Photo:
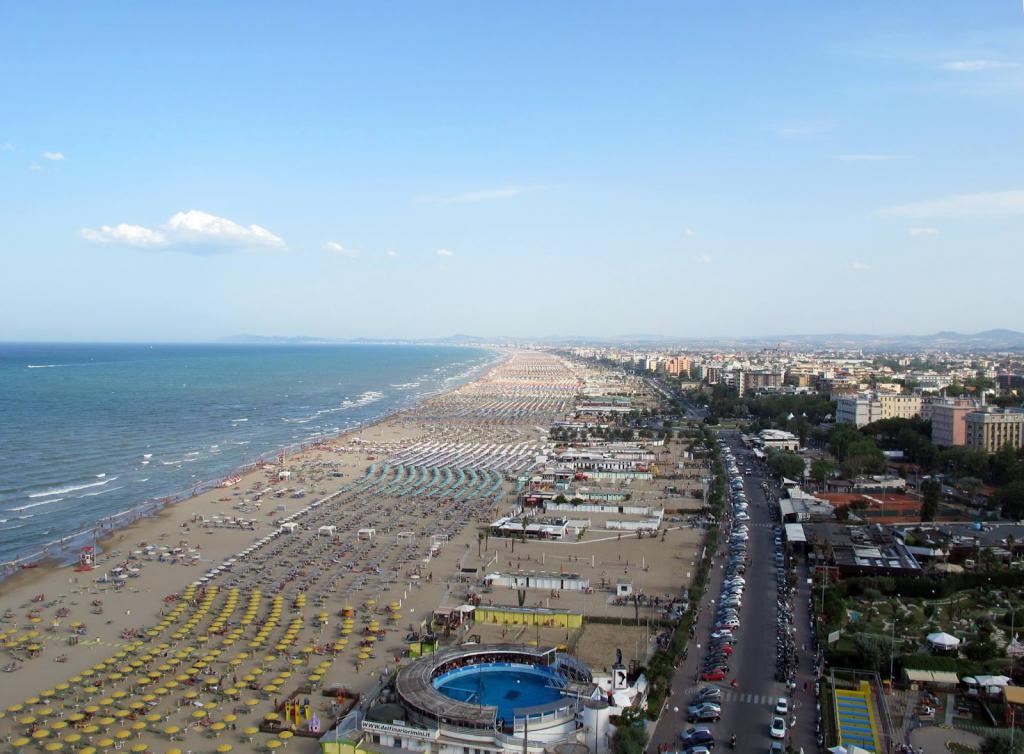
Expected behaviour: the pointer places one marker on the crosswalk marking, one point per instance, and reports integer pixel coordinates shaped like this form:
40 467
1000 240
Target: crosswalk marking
747 698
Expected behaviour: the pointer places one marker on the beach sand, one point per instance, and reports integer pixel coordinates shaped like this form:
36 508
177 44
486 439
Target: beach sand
88 646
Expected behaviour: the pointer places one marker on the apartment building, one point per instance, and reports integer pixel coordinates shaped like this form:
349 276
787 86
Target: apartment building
865 408
948 417
989 429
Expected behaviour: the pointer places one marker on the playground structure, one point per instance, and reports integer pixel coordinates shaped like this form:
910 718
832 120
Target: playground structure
861 712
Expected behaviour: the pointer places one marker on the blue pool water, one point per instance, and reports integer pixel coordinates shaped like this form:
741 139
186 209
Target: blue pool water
502 686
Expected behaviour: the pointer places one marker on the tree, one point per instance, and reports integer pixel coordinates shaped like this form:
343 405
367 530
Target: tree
786 464
821 470
931 494
998 745
1010 500
630 739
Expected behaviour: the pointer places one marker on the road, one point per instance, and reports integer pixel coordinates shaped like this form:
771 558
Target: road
747 709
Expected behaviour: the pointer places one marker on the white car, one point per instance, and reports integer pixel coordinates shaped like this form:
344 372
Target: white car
778 729
782 706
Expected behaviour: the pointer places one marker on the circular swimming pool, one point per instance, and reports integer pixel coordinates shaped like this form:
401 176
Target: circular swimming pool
506 686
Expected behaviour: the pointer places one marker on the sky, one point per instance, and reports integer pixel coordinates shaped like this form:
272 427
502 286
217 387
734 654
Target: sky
191 170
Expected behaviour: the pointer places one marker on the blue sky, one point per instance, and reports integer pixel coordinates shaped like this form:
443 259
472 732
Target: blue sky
191 170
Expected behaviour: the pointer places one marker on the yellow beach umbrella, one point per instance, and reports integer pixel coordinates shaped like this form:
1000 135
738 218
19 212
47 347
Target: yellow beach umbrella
170 730
21 742
72 738
139 747
285 734
123 734
91 729
139 725
273 743
105 743
198 714
40 733
54 746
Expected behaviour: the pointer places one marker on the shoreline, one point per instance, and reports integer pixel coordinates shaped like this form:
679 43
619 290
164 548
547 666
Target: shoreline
45 560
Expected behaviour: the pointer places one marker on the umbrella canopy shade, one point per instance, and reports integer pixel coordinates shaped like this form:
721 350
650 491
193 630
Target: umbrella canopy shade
944 640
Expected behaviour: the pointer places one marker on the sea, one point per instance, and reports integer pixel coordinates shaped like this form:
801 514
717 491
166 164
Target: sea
90 431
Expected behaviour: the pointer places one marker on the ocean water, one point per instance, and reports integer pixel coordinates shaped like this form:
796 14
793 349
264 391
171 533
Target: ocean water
89 431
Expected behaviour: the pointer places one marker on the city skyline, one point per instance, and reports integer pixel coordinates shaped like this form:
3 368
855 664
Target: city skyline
413 172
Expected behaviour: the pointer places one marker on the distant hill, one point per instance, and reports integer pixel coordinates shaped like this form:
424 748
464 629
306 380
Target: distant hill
1000 339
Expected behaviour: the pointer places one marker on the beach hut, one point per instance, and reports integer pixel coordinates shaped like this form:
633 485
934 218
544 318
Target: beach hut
326 531
288 527
366 534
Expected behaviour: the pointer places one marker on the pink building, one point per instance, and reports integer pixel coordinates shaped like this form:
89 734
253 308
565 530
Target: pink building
949 421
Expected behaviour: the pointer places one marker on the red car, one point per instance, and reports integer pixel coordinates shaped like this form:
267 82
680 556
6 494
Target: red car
727 648
713 675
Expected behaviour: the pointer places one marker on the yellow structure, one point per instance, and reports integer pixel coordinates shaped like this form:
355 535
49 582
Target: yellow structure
856 718
505 615
343 745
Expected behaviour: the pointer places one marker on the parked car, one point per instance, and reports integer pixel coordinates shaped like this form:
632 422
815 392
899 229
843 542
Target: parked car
705 712
782 706
778 729
717 674
708 694
697 737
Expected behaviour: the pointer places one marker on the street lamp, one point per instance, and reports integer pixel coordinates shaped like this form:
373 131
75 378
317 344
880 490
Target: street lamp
892 642
1013 630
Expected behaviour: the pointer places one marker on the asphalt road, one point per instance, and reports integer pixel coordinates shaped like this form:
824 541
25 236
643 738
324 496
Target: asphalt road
747 708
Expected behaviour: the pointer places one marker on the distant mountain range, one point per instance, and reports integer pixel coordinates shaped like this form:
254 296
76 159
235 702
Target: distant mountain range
988 340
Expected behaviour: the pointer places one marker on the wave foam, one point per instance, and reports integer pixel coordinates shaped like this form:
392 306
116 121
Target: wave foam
73 488
36 505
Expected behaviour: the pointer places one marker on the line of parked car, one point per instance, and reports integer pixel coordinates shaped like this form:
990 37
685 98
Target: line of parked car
706 705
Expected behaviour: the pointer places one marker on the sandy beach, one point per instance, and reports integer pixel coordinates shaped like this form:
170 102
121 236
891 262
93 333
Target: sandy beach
196 623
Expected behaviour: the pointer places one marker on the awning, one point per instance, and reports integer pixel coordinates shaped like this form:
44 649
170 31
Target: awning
1014 694
944 677
795 533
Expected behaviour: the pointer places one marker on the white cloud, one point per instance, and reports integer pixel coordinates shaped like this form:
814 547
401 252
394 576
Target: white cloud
336 248
198 227
6 147
506 192
128 235
392 254
54 156
859 266
870 157
35 167
973 66
189 231
986 204
923 231
702 259
689 232
445 253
